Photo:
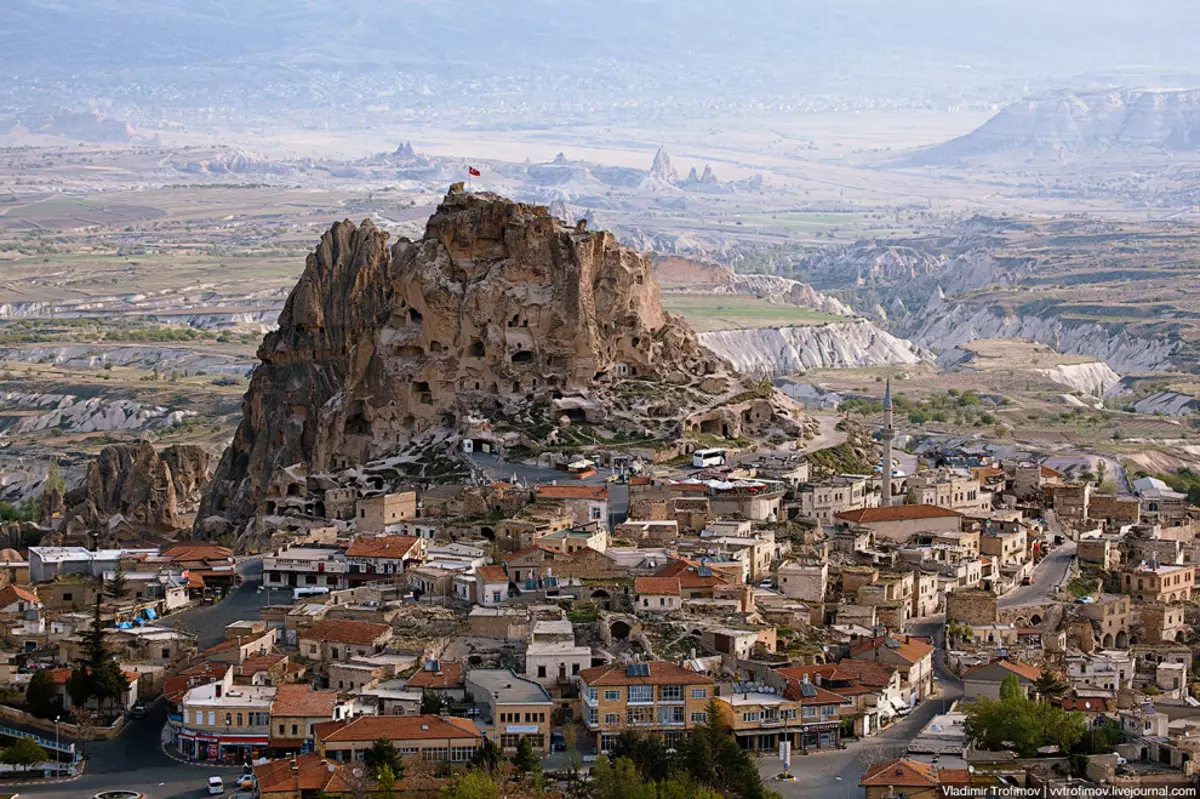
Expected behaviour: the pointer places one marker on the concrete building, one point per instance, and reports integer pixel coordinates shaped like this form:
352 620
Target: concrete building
946 489
984 681
512 708
901 522
807 582
1155 582
224 722
334 640
551 656
305 567
440 739
657 698
803 714
584 504
376 513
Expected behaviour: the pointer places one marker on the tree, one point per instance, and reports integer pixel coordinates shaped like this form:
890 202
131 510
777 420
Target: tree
617 778
41 696
1049 685
525 760
118 587
432 703
474 784
383 755
25 752
387 782
1018 723
488 757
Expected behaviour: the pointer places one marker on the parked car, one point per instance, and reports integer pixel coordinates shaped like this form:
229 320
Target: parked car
558 743
216 786
139 709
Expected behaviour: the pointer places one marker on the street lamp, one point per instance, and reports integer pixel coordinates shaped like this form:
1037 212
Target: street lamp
57 770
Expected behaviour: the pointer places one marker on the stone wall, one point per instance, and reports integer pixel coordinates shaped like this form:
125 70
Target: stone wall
971 607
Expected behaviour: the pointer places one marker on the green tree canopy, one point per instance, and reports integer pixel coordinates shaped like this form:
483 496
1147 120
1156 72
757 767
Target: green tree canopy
41 696
383 754
474 784
25 752
525 759
1021 724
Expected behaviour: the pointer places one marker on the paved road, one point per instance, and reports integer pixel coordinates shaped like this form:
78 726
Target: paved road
136 759
245 602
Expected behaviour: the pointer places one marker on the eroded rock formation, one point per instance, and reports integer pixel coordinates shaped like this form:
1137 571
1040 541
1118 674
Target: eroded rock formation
501 324
148 489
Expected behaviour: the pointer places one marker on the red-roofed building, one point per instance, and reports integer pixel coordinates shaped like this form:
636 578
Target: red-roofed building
985 680
491 585
586 504
656 697
444 677
332 640
294 711
873 690
911 655
901 522
911 779
656 595
303 777
376 558
436 738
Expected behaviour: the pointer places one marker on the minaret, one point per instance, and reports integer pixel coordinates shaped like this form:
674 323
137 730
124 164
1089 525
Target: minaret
886 435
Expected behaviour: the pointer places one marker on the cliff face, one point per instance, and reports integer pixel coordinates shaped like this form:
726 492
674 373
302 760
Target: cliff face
790 350
149 489
1081 122
498 309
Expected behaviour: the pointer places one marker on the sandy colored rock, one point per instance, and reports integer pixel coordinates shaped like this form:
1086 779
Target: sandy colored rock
500 324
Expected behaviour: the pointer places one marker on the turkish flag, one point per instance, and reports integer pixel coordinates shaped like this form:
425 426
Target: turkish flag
472 171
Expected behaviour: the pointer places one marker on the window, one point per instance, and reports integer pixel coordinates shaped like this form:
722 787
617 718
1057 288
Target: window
809 713
641 693
591 694
612 718
212 718
239 720
670 715
593 716
281 729
228 719
613 696
186 713
68 596
541 671
699 718
574 668
828 711
438 753
166 653
699 693
670 693
639 715
751 716
461 754
787 714
294 730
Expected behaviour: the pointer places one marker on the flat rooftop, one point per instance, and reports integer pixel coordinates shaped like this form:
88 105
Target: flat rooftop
508 688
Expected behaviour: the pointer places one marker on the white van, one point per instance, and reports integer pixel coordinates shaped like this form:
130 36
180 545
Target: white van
301 593
704 458
216 786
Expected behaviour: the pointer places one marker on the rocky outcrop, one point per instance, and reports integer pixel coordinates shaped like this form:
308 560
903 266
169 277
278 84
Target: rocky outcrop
789 350
1094 379
85 415
661 169
148 489
946 325
165 359
1168 403
1078 122
501 323
690 274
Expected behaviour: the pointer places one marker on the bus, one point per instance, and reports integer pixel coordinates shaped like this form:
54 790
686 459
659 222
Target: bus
704 458
301 593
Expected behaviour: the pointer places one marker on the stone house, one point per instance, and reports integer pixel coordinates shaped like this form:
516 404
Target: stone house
984 681
333 640
913 657
901 522
377 512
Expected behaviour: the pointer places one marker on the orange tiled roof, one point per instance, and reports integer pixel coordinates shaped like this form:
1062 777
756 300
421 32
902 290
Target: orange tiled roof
303 701
313 773
902 773
1026 670
896 513
13 593
520 552
448 675
906 647
868 675
572 492
657 586
259 663
344 631
492 574
661 673
396 729
198 552
387 546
